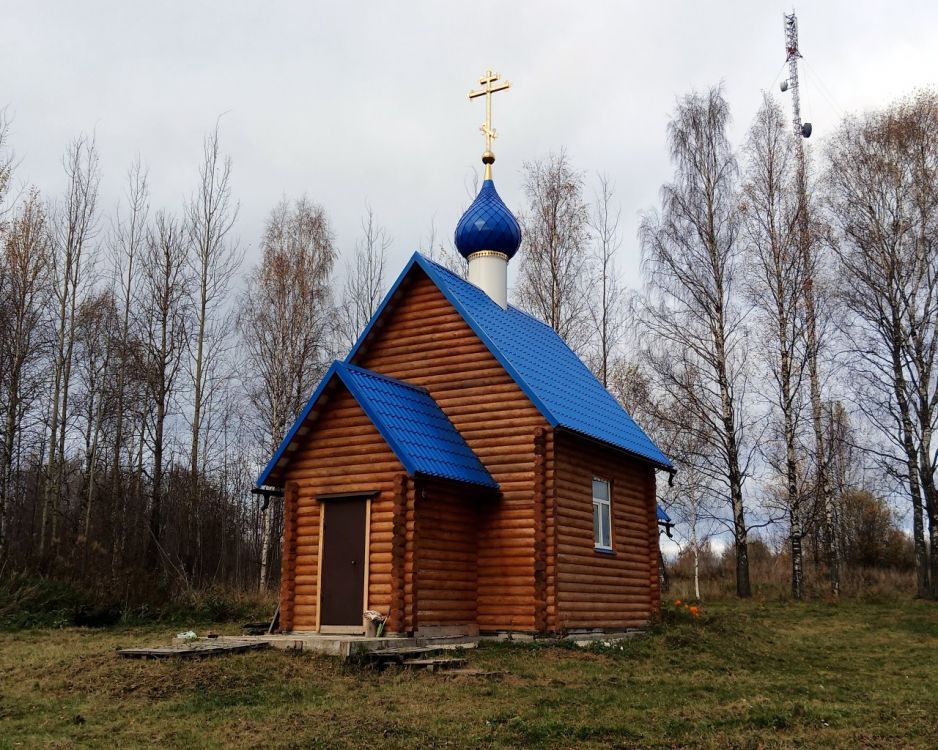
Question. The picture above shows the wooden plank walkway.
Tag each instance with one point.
(198, 648)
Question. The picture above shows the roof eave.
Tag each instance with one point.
(491, 484)
(264, 477)
(662, 465)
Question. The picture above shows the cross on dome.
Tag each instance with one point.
(487, 81)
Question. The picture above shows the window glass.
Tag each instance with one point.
(602, 521)
(601, 490)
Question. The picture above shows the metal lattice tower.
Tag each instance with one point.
(791, 47)
(802, 130)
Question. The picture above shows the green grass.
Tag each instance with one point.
(752, 675)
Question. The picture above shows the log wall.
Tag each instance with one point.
(343, 452)
(447, 573)
(423, 340)
(596, 589)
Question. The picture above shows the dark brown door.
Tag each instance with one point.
(343, 562)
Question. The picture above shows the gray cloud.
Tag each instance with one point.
(356, 103)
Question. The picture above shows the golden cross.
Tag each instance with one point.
(488, 131)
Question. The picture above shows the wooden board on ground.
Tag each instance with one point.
(199, 648)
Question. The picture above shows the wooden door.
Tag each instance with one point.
(343, 563)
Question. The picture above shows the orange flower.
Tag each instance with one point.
(695, 611)
(677, 602)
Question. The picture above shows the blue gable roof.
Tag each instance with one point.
(409, 420)
(563, 389)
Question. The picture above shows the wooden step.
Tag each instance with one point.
(434, 665)
(403, 651)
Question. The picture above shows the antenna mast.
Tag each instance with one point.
(823, 489)
(791, 48)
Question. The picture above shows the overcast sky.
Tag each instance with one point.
(359, 102)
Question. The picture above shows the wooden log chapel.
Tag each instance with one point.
(462, 471)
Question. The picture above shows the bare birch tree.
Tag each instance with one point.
(285, 326)
(6, 164)
(96, 324)
(693, 322)
(882, 176)
(606, 303)
(364, 281)
(214, 260)
(777, 273)
(75, 223)
(24, 267)
(126, 244)
(553, 277)
(166, 326)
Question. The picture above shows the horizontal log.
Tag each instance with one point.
(623, 550)
(348, 448)
(519, 417)
(505, 562)
(464, 570)
(481, 363)
(448, 349)
(375, 474)
(429, 582)
(443, 553)
(576, 565)
(506, 392)
(493, 599)
(478, 425)
(604, 608)
(603, 598)
(430, 332)
(617, 582)
(443, 604)
(429, 618)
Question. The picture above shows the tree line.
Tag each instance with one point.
(142, 384)
(780, 350)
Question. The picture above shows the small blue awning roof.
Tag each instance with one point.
(563, 389)
(409, 420)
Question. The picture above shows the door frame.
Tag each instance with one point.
(323, 501)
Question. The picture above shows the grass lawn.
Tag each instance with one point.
(753, 675)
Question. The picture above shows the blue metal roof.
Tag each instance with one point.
(410, 421)
(663, 517)
(563, 389)
(488, 225)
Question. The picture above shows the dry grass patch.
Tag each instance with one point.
(751, 675)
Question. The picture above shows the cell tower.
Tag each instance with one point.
(791, 47)
(802, 131)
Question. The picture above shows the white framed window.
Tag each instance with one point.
(602, 515)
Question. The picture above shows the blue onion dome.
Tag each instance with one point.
(488, 225)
